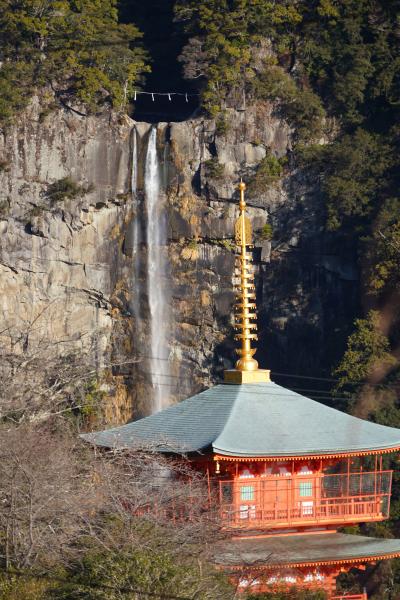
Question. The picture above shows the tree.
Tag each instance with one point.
(44, 379)
(96, 526)
(140, 573)
(355, 168)
(45, 494)
(76, 523)
(77, 48)
(384, 249)
(367, 367)
(227, 41)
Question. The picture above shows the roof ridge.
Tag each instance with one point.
(257, 420)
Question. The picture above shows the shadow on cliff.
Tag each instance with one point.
(164, 42)
(304, 301)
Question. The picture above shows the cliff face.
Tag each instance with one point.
(67, 259)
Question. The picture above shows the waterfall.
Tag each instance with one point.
(135, 232)
(134, 165)
(156, 238)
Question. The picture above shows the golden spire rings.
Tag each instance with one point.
(246, 370)
(245, 313)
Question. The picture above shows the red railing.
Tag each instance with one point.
(312, 498)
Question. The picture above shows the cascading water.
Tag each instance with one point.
(135, 232)
(134, 165)
(156, 239)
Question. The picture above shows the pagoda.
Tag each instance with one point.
(285, 471)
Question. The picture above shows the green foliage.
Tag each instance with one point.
(230, 50)
(119, 575)
(302, 108)
(86, 412)
(354, 170)
(93, 399)
(214, 169)
(368, 350)
(222, 124)
(384, 249)
(15, 587)
(225, 37)
(192, 245)
(266, 232)
(228, 245)
(16, 87)
(66, 189)
(77, 48)
(348, 52)
(269, 172)
(368, 372)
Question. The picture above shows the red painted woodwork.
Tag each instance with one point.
(298, 494)
(305, 498)
(283, 580)
(262, 495)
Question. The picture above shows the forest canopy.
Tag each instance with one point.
(76, 47)
(333, 69)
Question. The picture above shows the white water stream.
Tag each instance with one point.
(135, 232)
(156, 239)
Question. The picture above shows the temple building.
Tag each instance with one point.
(285, 471)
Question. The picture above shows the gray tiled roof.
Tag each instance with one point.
(262, 419)
(303, 549)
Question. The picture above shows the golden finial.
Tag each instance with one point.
(245, 308)
(247, 370)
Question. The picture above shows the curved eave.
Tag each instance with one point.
(303, 550)
(221, 455)
(110, 441)
(320, 563)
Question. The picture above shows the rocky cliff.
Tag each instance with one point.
(66, 247)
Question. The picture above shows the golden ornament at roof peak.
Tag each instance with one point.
(246, 370)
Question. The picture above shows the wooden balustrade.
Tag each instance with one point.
(287, 501)
(290, 501)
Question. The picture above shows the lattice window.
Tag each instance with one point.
(247, 492)
(305, 489)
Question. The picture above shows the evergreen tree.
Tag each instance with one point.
(75, 46)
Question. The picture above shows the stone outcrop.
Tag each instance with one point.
(66, 261)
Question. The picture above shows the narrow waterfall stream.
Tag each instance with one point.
(149, 226)
(136, 230)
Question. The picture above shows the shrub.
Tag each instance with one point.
(214, 169)
(36, 211)
(222, 124)
(191, 251)
(4, 165)
(4, 208)
(66, 189)
(269, 172)
(13, 587)
(265, 233)
(228, 245)
(301, 107)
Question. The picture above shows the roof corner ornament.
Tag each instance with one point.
(246, 370)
